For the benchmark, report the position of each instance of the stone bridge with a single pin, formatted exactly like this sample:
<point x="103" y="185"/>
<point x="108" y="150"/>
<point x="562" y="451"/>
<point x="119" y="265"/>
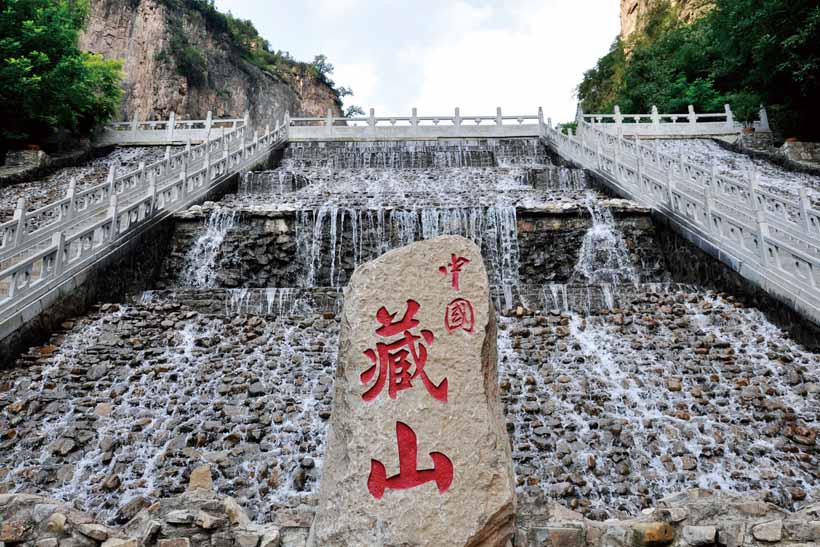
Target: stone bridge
<point x="770" y="240"/>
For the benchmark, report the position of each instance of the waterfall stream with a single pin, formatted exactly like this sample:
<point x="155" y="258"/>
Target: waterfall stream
<point x="202" y="260"/>
<point x="616" y="392"/>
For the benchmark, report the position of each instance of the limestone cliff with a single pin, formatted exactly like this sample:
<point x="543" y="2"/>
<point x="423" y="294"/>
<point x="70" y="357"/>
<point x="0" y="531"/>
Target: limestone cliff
<point x="146" y="34"/>
<point x="633" y="12"/>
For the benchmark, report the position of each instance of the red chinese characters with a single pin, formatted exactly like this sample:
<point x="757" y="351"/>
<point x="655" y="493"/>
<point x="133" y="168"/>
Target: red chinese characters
<point x="460" y="316"/>
<point x="400" y="361"/>
<point x="409" y="475"/>
<point x="454" y="269"/>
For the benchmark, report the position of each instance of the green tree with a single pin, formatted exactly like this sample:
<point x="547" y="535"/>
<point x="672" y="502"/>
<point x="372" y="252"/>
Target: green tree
<point x="743" y="52"/>
<point x="46" y="82"/>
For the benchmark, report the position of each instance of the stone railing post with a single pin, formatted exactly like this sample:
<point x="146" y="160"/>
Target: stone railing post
<point x="457" y="119"/>
<point x="499" y="120"/>
<point x="730" y="117"/>
<point x="112" y="178"/>
<point x="656" y="117"/>
<point x="693" y="118"/>
<point x="619" y="119"/>
<point x="72" y="194"/>
<point x="58" y="241"/>
<point x="371" y="120"/>
<point x="207" y="164"/>
<point x="709" y="206"/>
<point x="20" y="216"/>
<point x="183" y="177"/>
<point x="141" y="176"/>
<point x="172" y="121"/>
<point x="113" y="214"/>
<point x="753" y="189"/>
<point x="329" y="122"/>
<point x="152" y="194"/>
<point x="541" y="126"/>
<point x="670" y="187"/>
<point x="246" y="118"/>
<point x="762" y="234"/>
<point x="414" y="118"/>
<point x="805" y="205"/>
<point x="209" y="122"/>
<point x="714" y="181"/>
<point x="135" y="123"/>
<point x="764" y="120"/>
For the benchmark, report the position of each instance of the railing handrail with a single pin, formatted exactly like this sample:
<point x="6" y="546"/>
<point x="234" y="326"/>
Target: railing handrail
<point x="776" y="240"/>
<point x="457" y="118"/>
<point x="39" y="258"/>
<point x="659" y="124"/>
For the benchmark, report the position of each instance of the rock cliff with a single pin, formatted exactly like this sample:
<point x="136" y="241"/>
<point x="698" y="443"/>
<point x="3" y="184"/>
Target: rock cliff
<point x="153" y="38"/>
<point x="633" y="12"/>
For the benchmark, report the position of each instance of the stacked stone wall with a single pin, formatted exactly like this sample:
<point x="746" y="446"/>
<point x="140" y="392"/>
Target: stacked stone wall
<point x="262" y="250"/>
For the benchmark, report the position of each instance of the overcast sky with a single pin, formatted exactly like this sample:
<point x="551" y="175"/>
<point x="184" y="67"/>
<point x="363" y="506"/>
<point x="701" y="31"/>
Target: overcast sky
<point x="439" y="54"/>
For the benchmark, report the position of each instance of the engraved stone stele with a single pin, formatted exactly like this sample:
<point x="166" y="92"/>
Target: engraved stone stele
<point x="418" y="455"/>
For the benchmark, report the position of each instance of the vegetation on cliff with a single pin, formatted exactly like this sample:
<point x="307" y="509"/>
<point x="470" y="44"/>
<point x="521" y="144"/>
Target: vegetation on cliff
<point x="46" y="82"/>
<point x="742" y="52"/>
<point x="242" y="35"/>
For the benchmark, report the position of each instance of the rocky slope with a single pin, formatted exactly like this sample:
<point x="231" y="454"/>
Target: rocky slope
<point x="141" y="32"/>
<point x="633" y="12"/>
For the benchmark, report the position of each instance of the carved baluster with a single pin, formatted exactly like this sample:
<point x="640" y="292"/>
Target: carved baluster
<point x="172" y="122"/>
<point x="113" y="214"/>
<point x="20" y="233"/>
<point x="72" y="194"/>
<point x="58" y="240"/>
<point x="762" y="234"/>
<point x="709" y="205"/>
<point x="805" y="206"/>
<point x="112" y="178"/>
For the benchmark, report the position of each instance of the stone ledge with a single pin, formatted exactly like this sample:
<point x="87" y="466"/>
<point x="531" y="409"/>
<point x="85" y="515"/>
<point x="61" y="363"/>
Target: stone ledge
<point x="571" y="207"/>
<point x="201" y="518"/>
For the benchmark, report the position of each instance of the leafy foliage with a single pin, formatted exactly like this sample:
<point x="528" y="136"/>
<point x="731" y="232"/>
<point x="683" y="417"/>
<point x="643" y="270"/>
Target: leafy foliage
<point x="743" y="52"/>
<point x="46" y="82"/>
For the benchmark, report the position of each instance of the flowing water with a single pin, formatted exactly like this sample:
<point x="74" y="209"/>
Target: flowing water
<point x="616" y="392"/>
<point x="202" y="260"/>
<point x="604" y="257"/>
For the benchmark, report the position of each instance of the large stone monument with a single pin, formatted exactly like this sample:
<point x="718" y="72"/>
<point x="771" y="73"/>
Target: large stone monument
<point x="418" y="455"/>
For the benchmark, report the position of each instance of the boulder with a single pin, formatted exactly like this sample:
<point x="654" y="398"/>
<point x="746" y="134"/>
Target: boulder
<point x="769" y="532"/>
<point x="418" y="453"/>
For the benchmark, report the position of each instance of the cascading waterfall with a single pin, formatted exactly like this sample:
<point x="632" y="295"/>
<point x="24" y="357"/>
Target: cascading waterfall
<point x="604" y="257"/>
<point x="202" y="260"/>
<point x="617" y="393"/>
<point x="334" y="240"/>
<point x="624" y="418"/>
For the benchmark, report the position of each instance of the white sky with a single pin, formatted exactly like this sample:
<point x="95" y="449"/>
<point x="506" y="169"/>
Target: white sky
<point x="439" y="54"/>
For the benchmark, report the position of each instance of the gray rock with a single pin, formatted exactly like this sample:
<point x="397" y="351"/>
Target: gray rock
<point x="769" y="532"/>
<point x="699" y="536"/>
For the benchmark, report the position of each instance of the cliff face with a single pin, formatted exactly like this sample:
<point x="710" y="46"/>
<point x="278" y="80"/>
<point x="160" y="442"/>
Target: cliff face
<point x="633" y="12"/>
<point x="141" y="32"/>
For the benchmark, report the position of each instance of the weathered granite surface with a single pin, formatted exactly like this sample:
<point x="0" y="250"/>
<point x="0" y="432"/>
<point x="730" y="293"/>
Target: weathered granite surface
<point x="373" y="494"/>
